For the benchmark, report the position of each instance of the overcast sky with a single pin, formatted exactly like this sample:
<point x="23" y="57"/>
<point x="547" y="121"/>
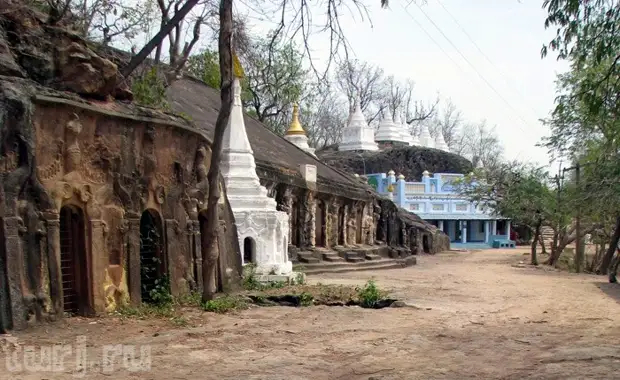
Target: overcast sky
<point x="409" y="42"/>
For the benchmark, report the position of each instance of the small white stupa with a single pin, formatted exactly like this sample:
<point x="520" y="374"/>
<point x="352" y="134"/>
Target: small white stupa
<point x="425" y="137"/>
<point x="388" y="131"/>
<point x="357" y="134"/>
<point x="440" y="143"/>
<point x="296" y="133"/>
<point x="261" y="229"/>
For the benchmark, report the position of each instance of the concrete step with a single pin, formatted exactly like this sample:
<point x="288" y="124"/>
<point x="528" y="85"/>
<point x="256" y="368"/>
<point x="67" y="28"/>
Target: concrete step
<point x="332" y="257"/>
<point x="354" y="259"/>
<point x="307" y="257"/>
<point x="370" y="256"/>
<point x="345" y="264"/>
<point x="387" y="264"/>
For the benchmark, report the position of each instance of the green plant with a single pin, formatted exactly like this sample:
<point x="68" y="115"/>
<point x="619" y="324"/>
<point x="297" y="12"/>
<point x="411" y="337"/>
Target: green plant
<point x="300" y="279"/>
<point x="160" y="293"/>
<point x="306" y="299"/>
<point x="250" y="282"/>
<point x="149" y="90"/>
<point x="369" y="295"/>
<point x="225" y="304"/>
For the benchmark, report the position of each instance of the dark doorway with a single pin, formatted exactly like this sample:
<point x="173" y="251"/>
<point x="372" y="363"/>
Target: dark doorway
<point x="341" y="226"/>
<point x="319" y="219"/>
<point x="249" y="254"/>
<point x="358" y="225"/>
<point x="294" y="223"/>
<point x="74" y="262"/>
<point x="425" y="244"/>
<point x="153" y="273"/>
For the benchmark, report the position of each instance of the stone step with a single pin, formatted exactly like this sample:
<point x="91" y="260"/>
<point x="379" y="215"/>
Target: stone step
<point x="307" y="257"/>
<point x="370" y="256"/>
<point x="332" y="257"/>
<point x="350" y="255"/>
<point x="354" y="259"/>
<point x="375" y="265"/>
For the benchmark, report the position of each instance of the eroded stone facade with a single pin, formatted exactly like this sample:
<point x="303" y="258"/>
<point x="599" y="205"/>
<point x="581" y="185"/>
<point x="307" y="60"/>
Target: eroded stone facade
<point x="98" y="205"/>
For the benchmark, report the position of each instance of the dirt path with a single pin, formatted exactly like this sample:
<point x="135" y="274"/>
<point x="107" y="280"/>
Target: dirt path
<point x="476" y="316"/>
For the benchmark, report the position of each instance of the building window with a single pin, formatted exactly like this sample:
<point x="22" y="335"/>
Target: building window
<point x="414" y="206"/>
<point x="437" y="207"/>
<point x="461" y="207"/>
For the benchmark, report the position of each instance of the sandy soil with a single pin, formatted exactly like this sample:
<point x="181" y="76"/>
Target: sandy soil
<point x="476" y="315"/>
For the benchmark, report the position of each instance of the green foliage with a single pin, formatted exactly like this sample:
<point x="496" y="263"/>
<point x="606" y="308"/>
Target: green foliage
<point x="160" y="293"/>
<point x="369" y="295"/>
<point x="306" y="299"/>
<point x="206" y="67"/>
<point x="225" y="304"/>
<point x="150" y="90"/>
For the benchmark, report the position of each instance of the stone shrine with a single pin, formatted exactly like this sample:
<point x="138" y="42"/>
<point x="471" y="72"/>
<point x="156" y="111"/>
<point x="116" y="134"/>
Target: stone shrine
<point x="358" y="135"/>
<point x="263" y="232"/>
<point x="296" y="134"/>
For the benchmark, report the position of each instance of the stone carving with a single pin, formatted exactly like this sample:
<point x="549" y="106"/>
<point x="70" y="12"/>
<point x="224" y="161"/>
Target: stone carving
<point x="73" y="154"/>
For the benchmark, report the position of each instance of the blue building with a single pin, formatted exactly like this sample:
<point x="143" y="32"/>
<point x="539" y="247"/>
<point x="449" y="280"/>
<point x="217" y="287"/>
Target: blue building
<point x="436" y="200"/>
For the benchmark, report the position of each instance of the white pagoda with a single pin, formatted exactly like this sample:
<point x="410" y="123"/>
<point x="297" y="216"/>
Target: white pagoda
<point x="262" y="230"/>
<point x="357" y="134"/>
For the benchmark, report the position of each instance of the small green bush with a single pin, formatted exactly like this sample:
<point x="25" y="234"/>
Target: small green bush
<point x="370" y="294"/>
<point x="225" y="304"/>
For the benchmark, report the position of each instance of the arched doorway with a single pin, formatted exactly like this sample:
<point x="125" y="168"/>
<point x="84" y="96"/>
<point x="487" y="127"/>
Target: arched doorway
<point x="153" y="273"/>
<point x="426" y="244"/>
<point x="74" y="261"/>
<point x="341" y="226"/>
<point x="249" y="250"/>
<point x="358" y="225"/>
<point x="319" y="220"/>
<point x="294" y="221"/>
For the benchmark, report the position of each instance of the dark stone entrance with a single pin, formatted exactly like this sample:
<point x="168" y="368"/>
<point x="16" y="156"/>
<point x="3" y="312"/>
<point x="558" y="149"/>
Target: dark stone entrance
<point x="74" y="261"/>
<point x="249" y="253"/>
<point x="319" y="219"/>
<point x="153" y="273"/>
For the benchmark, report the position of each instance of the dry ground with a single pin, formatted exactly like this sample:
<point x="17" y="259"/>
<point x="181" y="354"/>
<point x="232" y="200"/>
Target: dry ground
<point x="476" y="316"/>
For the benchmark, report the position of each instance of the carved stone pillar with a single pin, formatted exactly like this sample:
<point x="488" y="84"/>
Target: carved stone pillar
<point x="197" y="246"/>
<point x="52" y="221"/>
<point x="14" y="262"/>
<point x="133" y="259"/>
<point x="99" y="262"/>
<point x="43" y="281"/>
<point x="328" y="224"/>
<point x="310" y="225"/>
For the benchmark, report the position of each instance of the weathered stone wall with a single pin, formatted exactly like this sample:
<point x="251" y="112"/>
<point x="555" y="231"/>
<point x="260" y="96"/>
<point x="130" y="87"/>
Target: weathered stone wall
<point x="109" y="166"/>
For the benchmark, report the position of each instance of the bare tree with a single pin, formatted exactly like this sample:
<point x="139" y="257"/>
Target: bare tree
<point x="363" y="81"/>
<point x="478" y="143"/>
<point x="448" y="120"/>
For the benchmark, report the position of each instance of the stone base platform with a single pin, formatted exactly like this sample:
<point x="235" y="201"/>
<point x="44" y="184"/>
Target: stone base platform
<point x="291" y="278"/>
<point x="347" y="259"/>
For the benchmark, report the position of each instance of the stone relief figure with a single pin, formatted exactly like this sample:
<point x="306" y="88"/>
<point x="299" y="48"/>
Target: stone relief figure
<point x="73" y="154"/>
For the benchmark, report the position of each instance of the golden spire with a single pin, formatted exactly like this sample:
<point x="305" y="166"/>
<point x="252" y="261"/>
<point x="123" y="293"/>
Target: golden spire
<point x="295" y="127"/>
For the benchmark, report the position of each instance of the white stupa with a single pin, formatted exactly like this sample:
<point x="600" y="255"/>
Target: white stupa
<point x="425" y="137"/>
<point x="357" y="134"/>
<point x="388" y="131"/>
<point x="401" y="129"/>
<point x="296" y="133"/>
<point x="255" y="213"/>
<point x="440" y="143"/>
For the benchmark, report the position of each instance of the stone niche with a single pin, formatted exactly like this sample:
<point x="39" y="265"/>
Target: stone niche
<point x="98" y="205"/>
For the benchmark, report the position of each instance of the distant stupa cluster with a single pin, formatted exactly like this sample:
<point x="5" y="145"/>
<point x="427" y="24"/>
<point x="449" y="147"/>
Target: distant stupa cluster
<point x="358" y="135"/>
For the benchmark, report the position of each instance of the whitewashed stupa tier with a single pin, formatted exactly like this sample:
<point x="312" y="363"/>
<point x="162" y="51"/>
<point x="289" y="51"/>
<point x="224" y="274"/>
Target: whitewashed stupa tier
<point x="357" y="134"/>
<point x="255" y="213"/>
<point x="425" y="137"/>
<point x="388" y="131"/>
<point x="440" y="143"/>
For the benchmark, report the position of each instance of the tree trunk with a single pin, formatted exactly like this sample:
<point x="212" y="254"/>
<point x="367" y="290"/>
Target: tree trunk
<point x="210" y="254"/>
<point x="535" y="242"/>
<point x="159" y="37"/>
<point x="542" y="244"/>
<point x="613" y="243"/>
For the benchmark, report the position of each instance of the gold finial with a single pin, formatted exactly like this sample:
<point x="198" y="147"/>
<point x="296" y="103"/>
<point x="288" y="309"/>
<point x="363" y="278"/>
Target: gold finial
<point x="237" y="68"/>
<point x="295" y="128"/>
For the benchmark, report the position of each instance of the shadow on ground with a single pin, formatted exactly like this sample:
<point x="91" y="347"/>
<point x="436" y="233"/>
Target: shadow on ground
<point x="611" y="290"/>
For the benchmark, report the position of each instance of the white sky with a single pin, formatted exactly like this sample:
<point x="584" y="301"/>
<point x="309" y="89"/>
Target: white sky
<point x="510" y="33"/>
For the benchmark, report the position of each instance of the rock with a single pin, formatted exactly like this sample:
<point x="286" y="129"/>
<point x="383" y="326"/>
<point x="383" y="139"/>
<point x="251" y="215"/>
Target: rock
<point x="8" y="66"/>
<point x="398" y="304"/>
